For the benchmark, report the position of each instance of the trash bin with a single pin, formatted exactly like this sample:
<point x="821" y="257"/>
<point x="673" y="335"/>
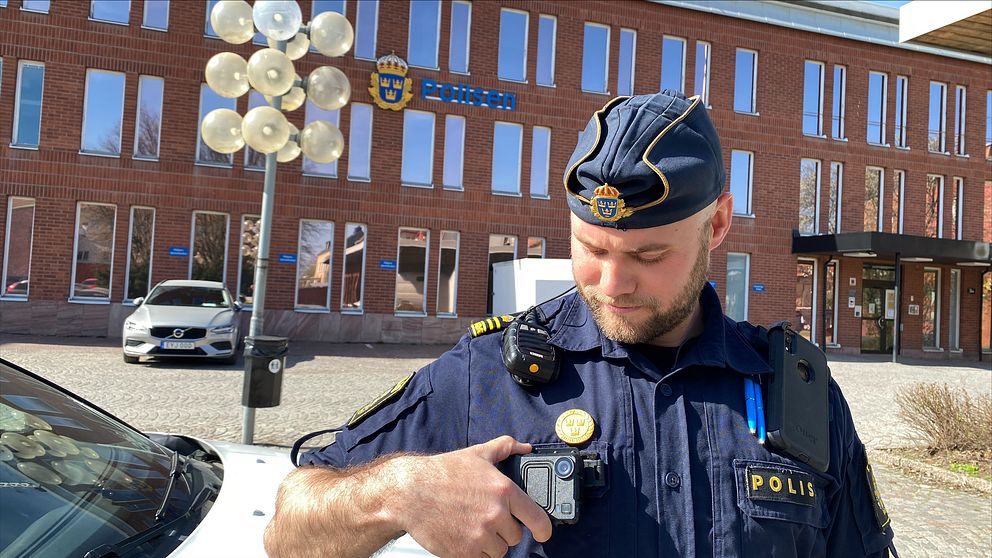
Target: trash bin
<point x="265" y="360"/>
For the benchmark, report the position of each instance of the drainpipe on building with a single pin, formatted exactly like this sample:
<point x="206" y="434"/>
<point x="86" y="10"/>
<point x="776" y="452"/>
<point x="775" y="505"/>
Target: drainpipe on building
<point x="823" y="303"/>
<point x="896" y="322"/>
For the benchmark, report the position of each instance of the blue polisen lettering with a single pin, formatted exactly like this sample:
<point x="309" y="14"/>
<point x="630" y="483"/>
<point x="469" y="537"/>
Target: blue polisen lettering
<point x="465" y="94"/>
<point x="477" y="97"/>
<point x="509" y="101"/>
<point x="492" y="98"/>
<point x="427" y="87"/>
<point x="447" y="92"/>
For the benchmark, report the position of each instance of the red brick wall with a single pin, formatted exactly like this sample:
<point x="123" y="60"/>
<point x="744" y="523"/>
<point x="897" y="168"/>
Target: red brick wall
<point x="58" y="176"/>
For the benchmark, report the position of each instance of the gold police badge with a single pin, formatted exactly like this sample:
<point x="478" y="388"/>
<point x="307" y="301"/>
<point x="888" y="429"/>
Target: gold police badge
<point x="389" y="87"/>
<point x="607" y="205"/>
<point x="575" y="427"/>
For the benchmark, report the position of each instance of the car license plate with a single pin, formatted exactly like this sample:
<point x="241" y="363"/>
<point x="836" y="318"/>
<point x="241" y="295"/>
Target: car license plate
<point x="177" y="345"/>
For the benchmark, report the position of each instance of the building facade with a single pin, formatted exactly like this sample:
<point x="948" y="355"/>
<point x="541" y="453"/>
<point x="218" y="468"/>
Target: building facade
<point x="850" y="157"/>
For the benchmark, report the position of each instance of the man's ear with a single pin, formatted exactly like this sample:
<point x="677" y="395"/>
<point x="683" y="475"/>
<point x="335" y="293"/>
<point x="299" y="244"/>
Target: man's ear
<point x="721" y="219"/>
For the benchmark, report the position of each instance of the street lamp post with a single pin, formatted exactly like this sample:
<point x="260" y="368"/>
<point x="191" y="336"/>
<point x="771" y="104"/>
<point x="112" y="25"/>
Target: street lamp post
<point x="265" y="129"/>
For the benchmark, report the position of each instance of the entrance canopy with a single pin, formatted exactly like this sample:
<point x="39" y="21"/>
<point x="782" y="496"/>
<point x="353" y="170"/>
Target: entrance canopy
<point x="885" y="246"/>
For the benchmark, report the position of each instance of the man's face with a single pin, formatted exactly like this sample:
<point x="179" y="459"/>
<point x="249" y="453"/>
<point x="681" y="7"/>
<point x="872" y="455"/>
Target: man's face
<point x="640" y="284"/>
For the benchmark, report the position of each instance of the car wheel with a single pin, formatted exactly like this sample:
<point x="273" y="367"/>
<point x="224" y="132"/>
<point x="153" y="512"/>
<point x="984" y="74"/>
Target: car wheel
<point x="130" y="359"/>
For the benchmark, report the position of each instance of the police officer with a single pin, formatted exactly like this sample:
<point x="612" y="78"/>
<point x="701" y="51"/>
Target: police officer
<point x="651" y="382"/>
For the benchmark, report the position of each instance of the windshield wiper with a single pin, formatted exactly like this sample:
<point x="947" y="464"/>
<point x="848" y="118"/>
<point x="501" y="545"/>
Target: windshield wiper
<point x="175" y="471"/>
<point x="133" y="542"/>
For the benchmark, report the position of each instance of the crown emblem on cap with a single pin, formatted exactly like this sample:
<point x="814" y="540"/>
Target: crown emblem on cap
<point x="389" y="86"/>
<point x="607" y="205"/>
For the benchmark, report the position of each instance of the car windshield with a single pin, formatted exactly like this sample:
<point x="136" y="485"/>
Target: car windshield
<point x="71" y="477"/>
<point x="181" y="295"/>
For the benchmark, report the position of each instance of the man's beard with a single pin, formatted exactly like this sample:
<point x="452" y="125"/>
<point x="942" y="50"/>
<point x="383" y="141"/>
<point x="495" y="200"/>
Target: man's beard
<point x="658" y="322"/>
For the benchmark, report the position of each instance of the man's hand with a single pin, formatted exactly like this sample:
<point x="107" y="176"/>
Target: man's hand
<point x="454" y="504"/>
<point x="459" y="504"/>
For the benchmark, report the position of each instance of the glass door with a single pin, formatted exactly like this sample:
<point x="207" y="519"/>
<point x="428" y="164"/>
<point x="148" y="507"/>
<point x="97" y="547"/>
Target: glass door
<point x="877" y="316"/>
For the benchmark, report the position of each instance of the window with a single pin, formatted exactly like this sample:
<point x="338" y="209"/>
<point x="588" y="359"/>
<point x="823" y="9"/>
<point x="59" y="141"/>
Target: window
<point x="830" y="308"/>
<point x="960" y="104"/>
<point x="701" y="81"/>
<point x="148" y="130"/>
<point x="35" y="6"/>
<point x="535" y="247"/>
<point x="809" y="196"/>
<point x="933" y="207"/>
<point x="208" y="102"/>
<point x="877" y="87"/>
<point x="247" y="257"/>
<point x="836" y="194"/>
<point x="156" y="15"/>
<point x="741" y="173"/>
<point x="424" y="31"/>
<point x="540" y="152"/>
<point x="208" y="28"/>
<point x="512" y="64"/>
<point x="313" y="168"/>
<point x="27" y="104"/>
<point x="898" y="194"/>
<point x="673" y="63"/>
<point x="461" y="33"/>
<point x="957" y="208"/>
<point x="507" y="140"/>
<point x="103" y="113"/>
<point x="140" y="239"/>
<point x="813" y="98"/>
<point x="502" y="248"/>
<point x="454" y="151"/>
<point x="873" y="199"/>
<point x="745" y="81"/>
<point x="447" y="275"/>
<point x="366" y="28"/>
<point x="595" y="57"/>
<point x="547" y="34"/>
<point x="19" y="238"/>
<point x="93" y="264"/>
<point x="111" y="11"/>
<point x="954" y="312"/>
<point x="314" y="263"/>
<point x="208" y="261"/>
<point x="253" y="159"/>
<point x="360" y="142"/>
<point x="902" y="89"/>
<point x="737" y="281"/>
<point x="805" y="288"/>
<point x="839" y="104"/>
<point x="988" y="124"/>
<point x="411" y="271"/>
<point x="937" y="119"/>
<point x="353" y="270"/>
<point x="418" y="148"/>
<point x="627" y="62"/>
<point x="931" y="308"/>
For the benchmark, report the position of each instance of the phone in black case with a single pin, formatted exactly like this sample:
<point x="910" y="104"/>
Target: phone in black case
<point x="797" y="415"/>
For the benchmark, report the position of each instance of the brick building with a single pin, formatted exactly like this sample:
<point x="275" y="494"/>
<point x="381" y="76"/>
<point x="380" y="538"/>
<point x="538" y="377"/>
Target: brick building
<point x="846" y="150"/>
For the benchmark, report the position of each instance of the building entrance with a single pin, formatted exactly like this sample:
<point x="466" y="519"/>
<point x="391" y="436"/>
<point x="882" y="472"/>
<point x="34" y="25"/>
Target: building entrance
<point x="878" y="308"/>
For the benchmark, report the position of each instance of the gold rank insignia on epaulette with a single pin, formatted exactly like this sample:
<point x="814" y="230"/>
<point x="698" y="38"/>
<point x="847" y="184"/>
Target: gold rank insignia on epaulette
<point x="377" y="403"/>
<point x="489" y="325"/>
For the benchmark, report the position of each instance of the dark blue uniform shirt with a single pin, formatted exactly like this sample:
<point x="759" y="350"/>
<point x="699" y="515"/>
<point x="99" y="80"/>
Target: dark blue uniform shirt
<point x="675" y="442"/>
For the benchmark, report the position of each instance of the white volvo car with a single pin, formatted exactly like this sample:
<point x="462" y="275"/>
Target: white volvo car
<point x="183" y="319"/>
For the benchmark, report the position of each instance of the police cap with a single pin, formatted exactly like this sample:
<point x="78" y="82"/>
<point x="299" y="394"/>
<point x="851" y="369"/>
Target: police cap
<point x="645" y="161"/>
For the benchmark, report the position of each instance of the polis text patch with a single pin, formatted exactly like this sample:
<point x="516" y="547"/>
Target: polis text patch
<point x="780" y="485"/>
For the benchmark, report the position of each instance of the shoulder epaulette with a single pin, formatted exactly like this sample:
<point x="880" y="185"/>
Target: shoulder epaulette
<point x="490" y="325"/>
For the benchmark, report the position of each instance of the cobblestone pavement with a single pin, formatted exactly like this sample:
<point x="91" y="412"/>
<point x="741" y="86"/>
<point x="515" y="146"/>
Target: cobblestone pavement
<point x="325" y="383"/>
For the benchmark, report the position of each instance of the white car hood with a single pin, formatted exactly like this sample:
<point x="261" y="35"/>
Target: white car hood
<point x="237" y="520"/>
<point x="189" y="316"/>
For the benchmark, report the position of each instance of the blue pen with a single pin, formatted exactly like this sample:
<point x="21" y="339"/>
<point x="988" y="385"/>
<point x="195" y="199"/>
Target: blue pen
<point x="749" y="404"/>
<point x="759" y="408"/>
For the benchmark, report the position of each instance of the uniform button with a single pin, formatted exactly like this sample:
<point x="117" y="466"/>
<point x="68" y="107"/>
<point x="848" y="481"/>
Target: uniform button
<point x="673" y="480"/>
<point x="666" y="390"/>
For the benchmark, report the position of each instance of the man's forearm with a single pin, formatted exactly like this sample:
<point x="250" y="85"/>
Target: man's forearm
<point x="332" y="512"/>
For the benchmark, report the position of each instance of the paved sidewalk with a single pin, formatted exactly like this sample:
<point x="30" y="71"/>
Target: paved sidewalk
<point x="325" y="383"/>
